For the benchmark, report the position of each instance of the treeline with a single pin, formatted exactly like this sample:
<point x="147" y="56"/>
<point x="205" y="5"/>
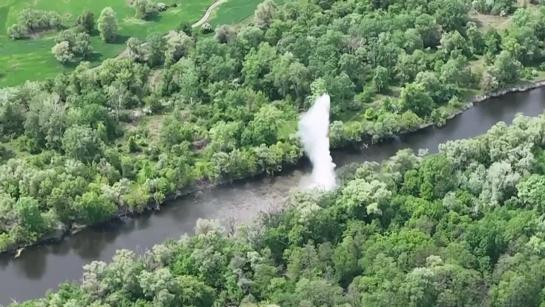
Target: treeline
<point x="463" y="227"/>
<point x="32" y="21"/>
<point x="72" y="43"/>
<point x="187" y="107"/>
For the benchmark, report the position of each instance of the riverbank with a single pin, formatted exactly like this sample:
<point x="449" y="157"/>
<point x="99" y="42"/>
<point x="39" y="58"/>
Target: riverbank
<point x="470" y="102"/>
<point x="62" y="232"/>
<point x="481" y="98"/>
<point x="44" y="267"/>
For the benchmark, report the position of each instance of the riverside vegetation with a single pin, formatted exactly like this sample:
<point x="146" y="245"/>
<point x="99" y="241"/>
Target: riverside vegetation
<point x="464" y="227"/>
<point x="188" y="107"/>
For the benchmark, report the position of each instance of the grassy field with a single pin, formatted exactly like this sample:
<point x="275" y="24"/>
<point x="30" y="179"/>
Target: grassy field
<point x="236" y="11"/>
<point x="32" y="59"/>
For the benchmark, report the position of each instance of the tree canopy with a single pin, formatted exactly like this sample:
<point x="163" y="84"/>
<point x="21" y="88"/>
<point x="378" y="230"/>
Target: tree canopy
<point x="449" y="229"/>
<point x="183" y="107"/>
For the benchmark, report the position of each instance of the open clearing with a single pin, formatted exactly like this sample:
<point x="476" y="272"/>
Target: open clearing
<point x="31" y="59"/>
<point x="234" y="11"/>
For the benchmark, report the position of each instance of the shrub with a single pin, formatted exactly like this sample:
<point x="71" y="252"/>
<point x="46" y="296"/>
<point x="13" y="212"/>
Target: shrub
<point x="71" y="46"/>
<point x="107" y="25"/>
<point x="145" y="8"/>
<point x="32" y="21"/>
<point x="206" y="28"/>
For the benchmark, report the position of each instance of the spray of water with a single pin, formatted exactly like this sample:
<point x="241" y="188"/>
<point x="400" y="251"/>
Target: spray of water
<point x="313" y="131"/>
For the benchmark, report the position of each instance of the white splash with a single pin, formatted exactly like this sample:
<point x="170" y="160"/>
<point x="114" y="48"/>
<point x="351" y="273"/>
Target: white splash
<point x="313" y="131"/>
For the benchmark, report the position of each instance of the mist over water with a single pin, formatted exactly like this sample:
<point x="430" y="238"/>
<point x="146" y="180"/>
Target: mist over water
<point x="313" y="131"/>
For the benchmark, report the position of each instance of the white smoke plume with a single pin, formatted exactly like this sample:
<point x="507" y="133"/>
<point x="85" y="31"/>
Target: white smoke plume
<point x="313" y="131"/>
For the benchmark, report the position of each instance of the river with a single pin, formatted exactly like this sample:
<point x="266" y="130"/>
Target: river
<point x="43" y="267"/>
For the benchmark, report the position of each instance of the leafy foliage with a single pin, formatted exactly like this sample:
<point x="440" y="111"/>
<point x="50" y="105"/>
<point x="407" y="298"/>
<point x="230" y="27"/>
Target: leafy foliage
<point x="413" y="230"/>
<point x="183" y="108"/>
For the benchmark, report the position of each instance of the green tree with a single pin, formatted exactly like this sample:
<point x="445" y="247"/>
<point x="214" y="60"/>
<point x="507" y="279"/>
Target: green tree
<point x="30" y="217"/>
<point x="381" y="79"/>
<point x="531" y="191"/>
<point x="412" y="41"/>
<point x="428" y="29"/>
<point x="225" y="34"/>
<point x="456" y="71"/>
<point x="506" y="68"/>
<point x="225" y="136"/>
<point x="345" y="260"/>
<point x="475" y="39"/>
<point x="178" y="45"/>
<point x="156" y="43"/>
<point x="454" y="43"/>
<point x="136" y="50"/>
<point x="452" y="15"/>
<point x="264" y="13"/>
<point x="71" y="46"/>
<point x="145" y="9"/>
<point x="264" y="128"/>
<point x="82" y="143"/>
<point x="86" y="22"/>
<point x="94" y="208"/>
<point x="414" y="97"/>
<point x="107" y="25"/>
<point x="492" y="41"/>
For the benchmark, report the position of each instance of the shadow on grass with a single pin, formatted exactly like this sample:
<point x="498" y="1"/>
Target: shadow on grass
<point x="155" y="18"/>
<point x="71" y="65"/>
<point x="94" y="57"/>
<point x="120" y="39"/>
<point x="94" y="32"/>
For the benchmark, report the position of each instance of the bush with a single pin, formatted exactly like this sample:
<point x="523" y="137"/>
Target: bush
<point x="62" y="52"/>
<point x="107" y="25"/>
<point x="86" y="22"/>
<point x="495" y="7"/>
<point x="32" y="21"/>
<point x="145" y="8"/>
<point x="71" y="46"/>
<point x="5" y="154"/>
<point x="225" y="34"/>
<point x="206" y="28"/>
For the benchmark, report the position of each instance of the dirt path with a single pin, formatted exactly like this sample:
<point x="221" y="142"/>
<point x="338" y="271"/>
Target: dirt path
<point x="204" y="18"/>
<point x="208" y="13"/>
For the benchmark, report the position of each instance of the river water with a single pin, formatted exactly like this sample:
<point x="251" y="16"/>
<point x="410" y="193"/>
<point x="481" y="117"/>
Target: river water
<point x="44" y="267"/>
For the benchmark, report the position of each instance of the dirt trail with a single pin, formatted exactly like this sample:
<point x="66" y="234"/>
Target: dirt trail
<point x="204" y="18"/>
<point x="208" y="13"/>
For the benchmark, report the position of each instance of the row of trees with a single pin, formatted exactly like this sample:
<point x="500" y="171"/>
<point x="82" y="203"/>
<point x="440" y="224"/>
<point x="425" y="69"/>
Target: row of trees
<point x="73" y="45"/>
<point x="225" y="106"/>
<point x="495" y="7"/>
<point x="32" y="21"/>
<point x="463" y="227"/>
<point x="145" y="9"/>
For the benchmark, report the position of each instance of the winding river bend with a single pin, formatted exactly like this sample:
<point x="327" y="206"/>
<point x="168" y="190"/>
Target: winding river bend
<point x="43" y="267"/>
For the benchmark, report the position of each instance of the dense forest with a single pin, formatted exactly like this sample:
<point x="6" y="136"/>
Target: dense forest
<point x="464" y="227"/>
<point x="195" y="108"/>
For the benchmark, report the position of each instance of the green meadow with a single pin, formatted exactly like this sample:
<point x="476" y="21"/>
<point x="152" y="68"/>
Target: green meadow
<point x="236" y="11"/>
<point x="31" y="59"/>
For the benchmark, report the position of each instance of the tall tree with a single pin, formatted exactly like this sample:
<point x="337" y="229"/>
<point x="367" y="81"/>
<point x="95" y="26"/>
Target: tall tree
<point x="107" y="25"/>
<point x="86" y="22"/>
